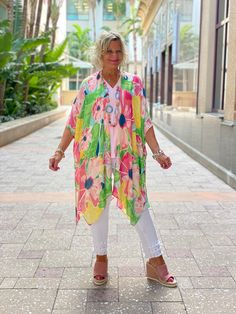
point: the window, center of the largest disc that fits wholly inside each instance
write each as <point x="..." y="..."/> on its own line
<point x="114" y="10"/>
<point x="108" y="9"/>
<point x="3" y="13"/>
<point x="77" y="10"/>
<point x="221" y="54"/>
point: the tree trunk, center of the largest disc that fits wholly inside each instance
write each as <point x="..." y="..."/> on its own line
<point x="2" y="94"/>
<point x="49" y="10"/>
<point x="135" y="50"/>
<point x="10" y="14"/>
<point x="94" y="24"/>
<point x="38" y="19"/>
<point x="33" y="5"/>
<point x="24" y="18"/>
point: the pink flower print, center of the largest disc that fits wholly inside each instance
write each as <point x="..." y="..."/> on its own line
<point x="138" y="88"/>
<point x="127" y="112"/>
<point x="126" y="173"/>
<point x="136" y="79"/>
<point x="89" y="182"/>
<point x="92" y="83"/>
<point x="126" y="100"/>
<point x="97" y="110"/>
<point x="85" y="140"/>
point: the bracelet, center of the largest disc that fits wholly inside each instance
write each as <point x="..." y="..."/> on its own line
<point x="158" y="154"/>
<point x="59" y="150"/>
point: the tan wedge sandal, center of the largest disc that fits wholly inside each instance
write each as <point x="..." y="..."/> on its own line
<point x="100" y="275"/>
<point x="160" y="274"/>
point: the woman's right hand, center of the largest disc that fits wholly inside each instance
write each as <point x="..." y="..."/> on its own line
<point x="54" y="161"/>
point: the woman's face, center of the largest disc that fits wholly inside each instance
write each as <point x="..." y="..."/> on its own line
<point x="112" y="58"/>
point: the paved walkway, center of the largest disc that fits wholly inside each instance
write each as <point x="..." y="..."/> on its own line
<point x="46" y="261"/>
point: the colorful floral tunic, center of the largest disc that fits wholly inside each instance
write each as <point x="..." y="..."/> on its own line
<point x="89" y="124"/>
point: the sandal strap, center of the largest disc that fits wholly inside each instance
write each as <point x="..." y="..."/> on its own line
<point x="100" y="268"/>
<point x="164" y="273"/>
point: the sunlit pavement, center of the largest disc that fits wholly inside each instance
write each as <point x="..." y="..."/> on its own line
<point x="46" y="260"/>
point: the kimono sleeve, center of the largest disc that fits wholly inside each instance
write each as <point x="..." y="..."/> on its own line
<point x="145" y="113"/>
<point x="75" y="110"/>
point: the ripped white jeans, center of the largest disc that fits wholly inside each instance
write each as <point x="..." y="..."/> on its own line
<point x="144" y="227"/>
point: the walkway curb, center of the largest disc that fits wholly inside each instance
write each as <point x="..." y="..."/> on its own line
<point x="14" y="130"/>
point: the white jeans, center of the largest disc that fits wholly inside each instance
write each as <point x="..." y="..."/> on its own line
<point x="144" y="227"/>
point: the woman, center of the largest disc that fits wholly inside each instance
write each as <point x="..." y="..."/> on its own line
<point x="110" y="126"/>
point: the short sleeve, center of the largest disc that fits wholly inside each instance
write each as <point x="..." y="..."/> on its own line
<point x="75" y="110"/>
<point x="147" y="120"/>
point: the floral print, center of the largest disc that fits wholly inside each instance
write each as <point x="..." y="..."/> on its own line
<point x="89" y="124"/>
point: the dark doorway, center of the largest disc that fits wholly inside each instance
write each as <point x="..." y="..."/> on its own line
<point x="151" y="93"/>
<point x="156" y="82"/>
<point x="163" y="62"/>
<point x="170" y="77"/>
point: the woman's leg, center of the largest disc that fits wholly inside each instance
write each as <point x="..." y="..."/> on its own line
<point x="100" y="235"/>
<point x="100" y="232"/>
<point x="156" y="267"/>
<point x="148" y="236"/>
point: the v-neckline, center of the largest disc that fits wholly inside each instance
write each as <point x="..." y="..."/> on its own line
<point x="109" y="85"/>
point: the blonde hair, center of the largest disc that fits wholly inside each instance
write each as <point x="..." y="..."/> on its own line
<point x="102" y="45"/>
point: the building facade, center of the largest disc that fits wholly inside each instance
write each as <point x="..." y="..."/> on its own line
<point x="104" y="16"/>
<point x="190" y="75"/>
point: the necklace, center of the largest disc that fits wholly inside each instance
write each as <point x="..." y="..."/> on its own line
<point x="111" y="75"/>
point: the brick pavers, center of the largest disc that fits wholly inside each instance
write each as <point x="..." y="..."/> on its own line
<point x="46" y="260"/>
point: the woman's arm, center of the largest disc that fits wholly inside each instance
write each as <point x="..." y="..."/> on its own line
<point x="59" y="153"/>
<point x="158" y="154"/>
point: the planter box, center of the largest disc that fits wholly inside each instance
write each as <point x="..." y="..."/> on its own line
<point x="14" y="130"/>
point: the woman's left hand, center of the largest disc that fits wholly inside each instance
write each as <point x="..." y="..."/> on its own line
<point x="164" y="161"/>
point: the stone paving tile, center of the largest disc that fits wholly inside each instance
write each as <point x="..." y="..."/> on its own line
<point x="184" y="282"/>
<point x="75" y="311"/>
<point x="10" y="250"/>
<point x="118" y="308"/>
<point x="38" y="254"/>
<point x="125" y="250"/>
<point x="71" y="300"/>
<point x="213" y="282"/>
<point x="102" y="295"/>
<point x="67" y="258"/>
<point x="183" y="253"/>
<point x="81" y="278"/>
<point x="10" y="267"/>
<point x="168" y="308"/>
<point x="49" y="272"/>
<point x="37" y="283"/>
<point x="208" y="301"/>
<point x="8" y="283"/>
<point x="22" y="301"/>
<point x="123" y="261"/>
<point x="49" y="239"/>
<point x="184" y="241"/>
<point x="141" y="289"/>
<point x="14" y="236"/>
<point x="131" y="271"/>
<point x="222" y="240"/>
<point x="183" y="267"/>
<point x="217" y="256"/>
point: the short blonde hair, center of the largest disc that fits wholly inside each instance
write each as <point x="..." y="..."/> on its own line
<point x="102" y="45"/>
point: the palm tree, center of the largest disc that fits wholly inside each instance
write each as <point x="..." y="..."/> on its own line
<point x="79" y="43"/>
<point x="33" y="5"/>
<point x="92" y="5"/>
<point x="55" y="13"/>
<point x="133" y="26"/>
<point x="24" y="18"/>
<point x="49" y="10"/>
<point x="38" y="19"/>
<point x="10" y="14"/>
